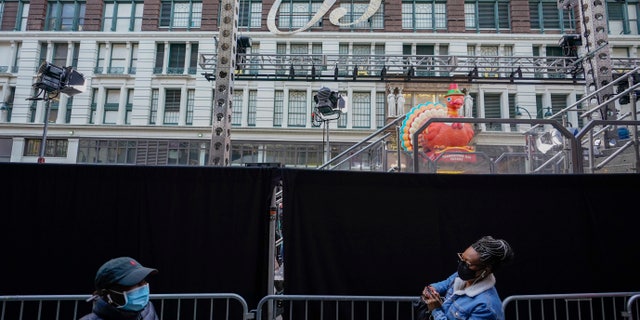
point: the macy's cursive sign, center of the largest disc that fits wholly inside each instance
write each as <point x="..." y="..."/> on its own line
<point x="334" y="17"/>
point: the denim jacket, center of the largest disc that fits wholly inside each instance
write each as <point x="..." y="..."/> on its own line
<point x="479" y="301"/>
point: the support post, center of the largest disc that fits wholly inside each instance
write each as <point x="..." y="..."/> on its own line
<point x="43" y="143"/>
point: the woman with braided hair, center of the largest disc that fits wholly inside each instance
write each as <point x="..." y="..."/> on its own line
<point x="470" y="292"/>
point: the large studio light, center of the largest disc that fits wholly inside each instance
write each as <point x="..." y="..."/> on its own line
<point x="54" y="79"/>
<point x="329" y="104"/>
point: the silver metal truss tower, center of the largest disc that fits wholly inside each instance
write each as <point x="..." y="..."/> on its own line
<point x="596" y="57"/>
<point x="223" y="94"/>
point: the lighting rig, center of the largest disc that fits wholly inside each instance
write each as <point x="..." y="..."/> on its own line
<point x="330" y="105"/>
<point x="51" y="81"/>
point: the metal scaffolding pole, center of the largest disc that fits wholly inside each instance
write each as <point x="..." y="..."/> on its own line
<point x="219" y="151"/>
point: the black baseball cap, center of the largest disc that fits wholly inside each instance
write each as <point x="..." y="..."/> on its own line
<point x="124" y="271"/>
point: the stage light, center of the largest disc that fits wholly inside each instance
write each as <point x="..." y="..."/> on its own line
<point x="473" y="73"/>
<point x="54" y="79"/>
<point x="242" y="43"/>
<point x="411" y="72"/>
<point x="514" y="73"/>
<point x="329" y="104"/>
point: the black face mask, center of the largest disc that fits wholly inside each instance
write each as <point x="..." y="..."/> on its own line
<point x="464" y="272"/>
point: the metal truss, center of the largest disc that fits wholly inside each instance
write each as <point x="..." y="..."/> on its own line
<point x="415" y="68"/>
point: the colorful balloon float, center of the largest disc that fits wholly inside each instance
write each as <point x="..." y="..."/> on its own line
<point x="438" y="137"/>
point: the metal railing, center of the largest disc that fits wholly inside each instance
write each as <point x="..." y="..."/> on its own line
<point x="633" y="307"/>
<point x="604" y="305"/>
<point x="168" y="306"/>
<point x="521" y="69"/>
<point x="610" y="305"/>
<point x="305" y="307"/>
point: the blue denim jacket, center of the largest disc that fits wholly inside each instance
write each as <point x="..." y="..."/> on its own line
<point x="479" y="301"/>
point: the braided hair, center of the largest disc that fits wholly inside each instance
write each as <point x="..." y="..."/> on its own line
<point x="494" y="252"/>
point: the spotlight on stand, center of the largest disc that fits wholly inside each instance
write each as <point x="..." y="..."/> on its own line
<point x="53" y="80"/>
<point x="329" y="104"/>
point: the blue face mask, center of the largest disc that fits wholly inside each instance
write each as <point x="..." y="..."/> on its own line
<point x="136" y="299"/>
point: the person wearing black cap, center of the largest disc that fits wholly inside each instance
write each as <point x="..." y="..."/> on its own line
<point x="122" y="292"/>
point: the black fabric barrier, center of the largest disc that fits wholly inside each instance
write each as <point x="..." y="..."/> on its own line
<point x="204" y="229"/>
<point x="357" y="233"/>
<point x="352" y="233"/>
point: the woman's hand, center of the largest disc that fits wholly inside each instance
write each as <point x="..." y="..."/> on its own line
<point x="431" y="298"/>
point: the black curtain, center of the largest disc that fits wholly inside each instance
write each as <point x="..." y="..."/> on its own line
<point x="354" y="233"/>
<point x="345" y="233"/>
<point x="203" y="228"/>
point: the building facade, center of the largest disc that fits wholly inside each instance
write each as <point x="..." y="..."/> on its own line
<point x="149" y="95"/>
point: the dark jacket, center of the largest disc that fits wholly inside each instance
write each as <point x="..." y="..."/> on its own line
<point x="104" y="311"/>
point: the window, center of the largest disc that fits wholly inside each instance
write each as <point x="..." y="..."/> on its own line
<point x="622" y="17"/>
<point x="59" y="56"/>
<point x="93" y="106"/>
<point x="380" y="101"/>
<point x="191" y="93"/>
<point x="558" y="102"/>
<point x="122" y="16"/>
<point x="180" y="14"/>
<point x="5" y="115"/>
<point x="123" y="58"/>
<point x="236" y="110"/>
<point x="23" y="15"/>
<point x="65" y="16"/>
<point x="362" y="57"/>
<point x="53" y="110"/>
<point x="278" y="108"/>
<point x="172" y="106"/>
<point x="6" y="52"/>
<point x="1" y="11"/>
<point x="141" y="152"/>
<point x="356" y="9"/>
<point x="193" y="59"/>
<point x="153" y="111"/>
<point x="298" y="113"/>
<point x="295" y="14"/>
<point x="111" y="106"/>
<point x="53" y="148"/>
<point x="546" y="15"/>
<point x="119" y="55"/>
<point x="177" y="55"/>
<point x="129" y="106"/>
<point x="300" y="54"/>
<point x="361" y="109"/>
<point x="553" y="51"/>
<point x="251" y="112"/>
<point x="424" y="15"/>
<point x="250" y="14"/>
<point x="492" y="110"/>
<point x="487" y="14"/>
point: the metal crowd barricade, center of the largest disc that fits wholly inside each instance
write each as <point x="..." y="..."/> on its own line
<point x="307" y="307"/>
<point x="606" y="305"/>
<point x="226" y="306"/>
<point x="633" y="307"/>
